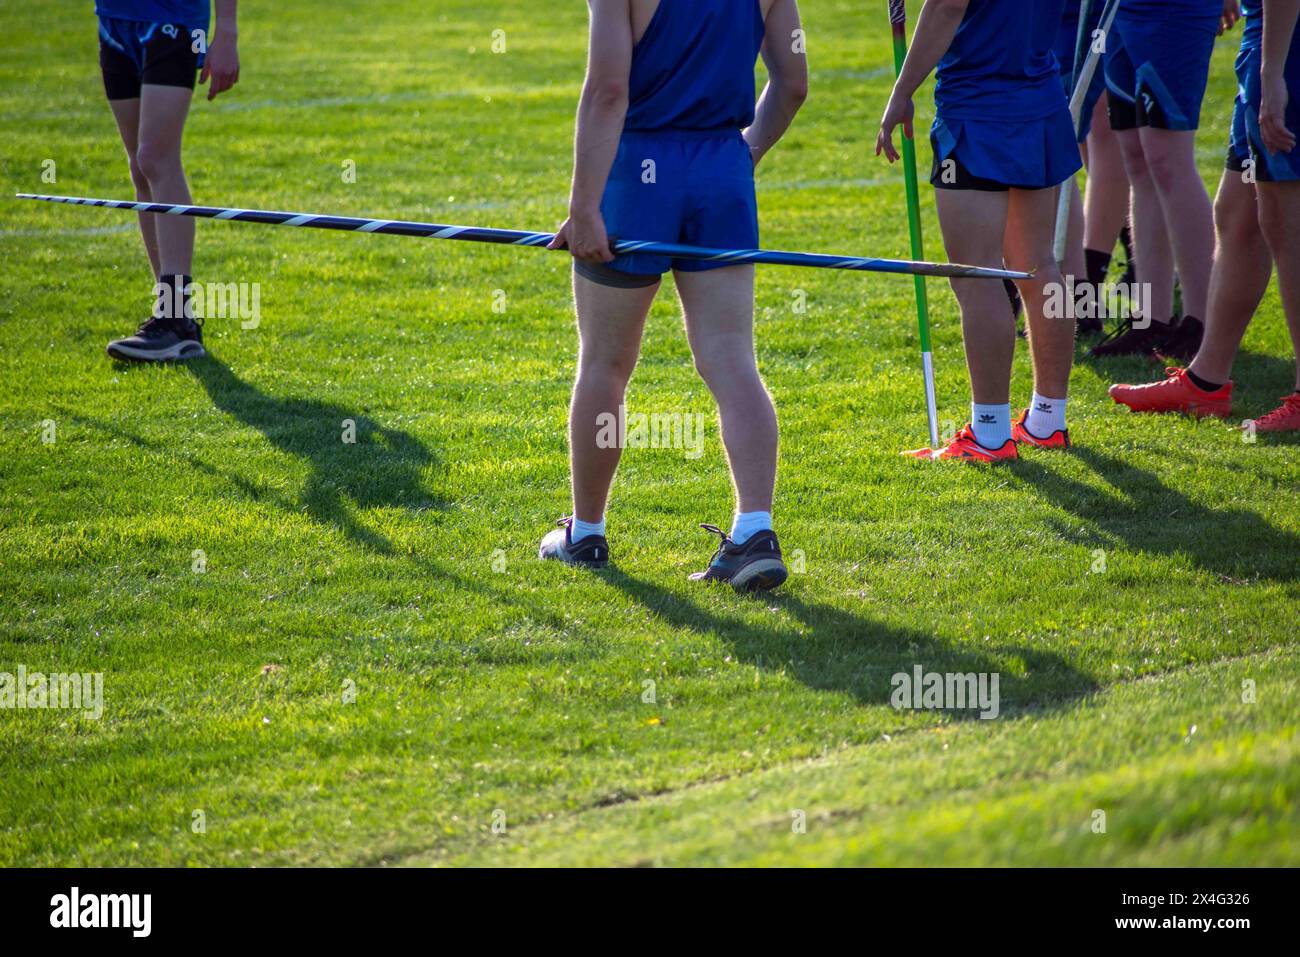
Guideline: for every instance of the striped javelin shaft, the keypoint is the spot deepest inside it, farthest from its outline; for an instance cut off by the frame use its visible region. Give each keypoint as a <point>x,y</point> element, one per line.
<point>514,237</point>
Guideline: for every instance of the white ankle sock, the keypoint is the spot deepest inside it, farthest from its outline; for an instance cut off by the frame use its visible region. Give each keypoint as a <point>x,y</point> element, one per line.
<point>580,529</point>
<point>1045,416</point>
<point>991,424</point>
<point>747,524</point>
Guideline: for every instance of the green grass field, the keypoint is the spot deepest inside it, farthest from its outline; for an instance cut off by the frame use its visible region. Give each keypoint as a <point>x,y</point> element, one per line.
<point>1124,593</point>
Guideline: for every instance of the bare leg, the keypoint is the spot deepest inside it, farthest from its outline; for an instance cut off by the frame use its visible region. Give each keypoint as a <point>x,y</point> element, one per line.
<point>1075,264</point>
<point>127,115</point>
<point>718,305</point>
<point>1151,249</point>
<point>610,322</point>
<point>1106,202</point>
<point>1242,267</point>
<point>973,223</point>
<point>158,155</point>
<point>1279,219</point>
<point>1027,247</point>
<point>1171,159</point>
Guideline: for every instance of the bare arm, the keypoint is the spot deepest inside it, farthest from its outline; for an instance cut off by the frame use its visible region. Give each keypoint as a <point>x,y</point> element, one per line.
<point>601,112</point>
<point>221,62</point>
<point>1279,27</point>
<point>935,29</point>
<point>787,79</point>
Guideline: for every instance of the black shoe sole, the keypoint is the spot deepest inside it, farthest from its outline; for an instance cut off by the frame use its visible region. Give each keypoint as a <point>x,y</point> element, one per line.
<point>761,575</point>
<point>177,353</point>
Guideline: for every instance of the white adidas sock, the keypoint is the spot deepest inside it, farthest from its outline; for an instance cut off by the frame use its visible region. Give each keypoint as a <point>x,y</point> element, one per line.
<point>580,529</point>
<point>748,524</point>
<point>1045,416</point>
<point>991,424</point>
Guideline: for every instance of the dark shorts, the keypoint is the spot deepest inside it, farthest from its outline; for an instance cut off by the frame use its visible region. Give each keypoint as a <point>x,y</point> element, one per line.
<point>133,53</point>
<point>694,188</point>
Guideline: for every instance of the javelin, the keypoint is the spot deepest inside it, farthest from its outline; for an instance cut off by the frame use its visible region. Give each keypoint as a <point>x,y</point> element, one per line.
<point>513,237</point>
<point>1083,75</point>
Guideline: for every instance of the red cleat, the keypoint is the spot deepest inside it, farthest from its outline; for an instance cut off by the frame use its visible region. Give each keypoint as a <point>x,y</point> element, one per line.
<point>1177,393</point>
<point>1285,418</point>
<point>964,447</point>
<point>1060,439</point>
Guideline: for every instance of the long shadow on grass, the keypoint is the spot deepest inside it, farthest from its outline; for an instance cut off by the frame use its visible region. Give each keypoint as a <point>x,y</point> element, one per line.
<point>1151,517</point>
<point>831,649</point>
<point>383,468</point>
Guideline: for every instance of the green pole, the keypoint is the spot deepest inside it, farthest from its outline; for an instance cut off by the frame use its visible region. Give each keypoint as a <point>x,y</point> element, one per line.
<point>898,22</point>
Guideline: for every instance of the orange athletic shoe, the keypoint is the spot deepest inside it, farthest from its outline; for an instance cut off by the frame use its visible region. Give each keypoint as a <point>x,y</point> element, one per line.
<point>1060,439</point>
<point>1177,393</point>
<point>965,447</point>
<point>1285,418</point>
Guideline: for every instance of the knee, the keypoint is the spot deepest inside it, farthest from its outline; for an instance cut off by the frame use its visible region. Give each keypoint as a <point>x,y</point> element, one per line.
<point>1165,169</point>
<point>719,368</point>
<point>154,161</point>
<point>1135,164</point>
<point>1235,226</point>
<point>138,179</point>
<point>612,370</point>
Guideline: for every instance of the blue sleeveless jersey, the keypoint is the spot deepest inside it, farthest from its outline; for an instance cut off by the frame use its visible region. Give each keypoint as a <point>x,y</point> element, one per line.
<point>694,67</point>
<point>190,13</point>
<point>1001,65</point>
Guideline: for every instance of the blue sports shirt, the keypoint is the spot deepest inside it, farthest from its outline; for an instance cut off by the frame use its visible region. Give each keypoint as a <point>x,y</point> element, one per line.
<point>1002,64</point>
<point>693,69</point>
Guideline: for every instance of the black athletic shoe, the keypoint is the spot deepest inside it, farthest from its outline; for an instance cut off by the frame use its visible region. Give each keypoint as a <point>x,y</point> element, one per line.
<point>1185,341</point>
<point>753,566</point>
<point>160,340</point>
<point>589,552</point>
<point>1128,341</point>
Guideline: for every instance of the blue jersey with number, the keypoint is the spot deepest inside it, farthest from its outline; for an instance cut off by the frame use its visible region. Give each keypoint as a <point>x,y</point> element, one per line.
<point>1001,65</point>
<point>693,69</point>
<point>190,13</point>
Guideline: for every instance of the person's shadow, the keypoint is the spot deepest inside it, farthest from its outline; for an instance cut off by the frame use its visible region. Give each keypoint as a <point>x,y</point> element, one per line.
<point>831,649</point>
<point>355,463</point>
<point>1149,516</point>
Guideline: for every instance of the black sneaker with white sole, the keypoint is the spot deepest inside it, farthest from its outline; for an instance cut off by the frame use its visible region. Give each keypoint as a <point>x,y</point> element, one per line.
<point>558,545</point>
<point>753,566</point>
<point>160,340</point>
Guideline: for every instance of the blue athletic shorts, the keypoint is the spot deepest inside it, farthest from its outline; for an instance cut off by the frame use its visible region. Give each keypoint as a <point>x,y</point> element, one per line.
<point>1238,140</point>
<point>987,155</point>
<point>1269,167</point>
<point>680,187</point>
<point>134,52</point>
<point>1157,70</point>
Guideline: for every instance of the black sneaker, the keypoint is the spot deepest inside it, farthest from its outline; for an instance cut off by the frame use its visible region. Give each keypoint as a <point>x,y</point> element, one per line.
<point>1185,341</point>
<point>1126,340</point>
<point>160,340</point>
<point>589,552</point>
<point>753,566</point>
